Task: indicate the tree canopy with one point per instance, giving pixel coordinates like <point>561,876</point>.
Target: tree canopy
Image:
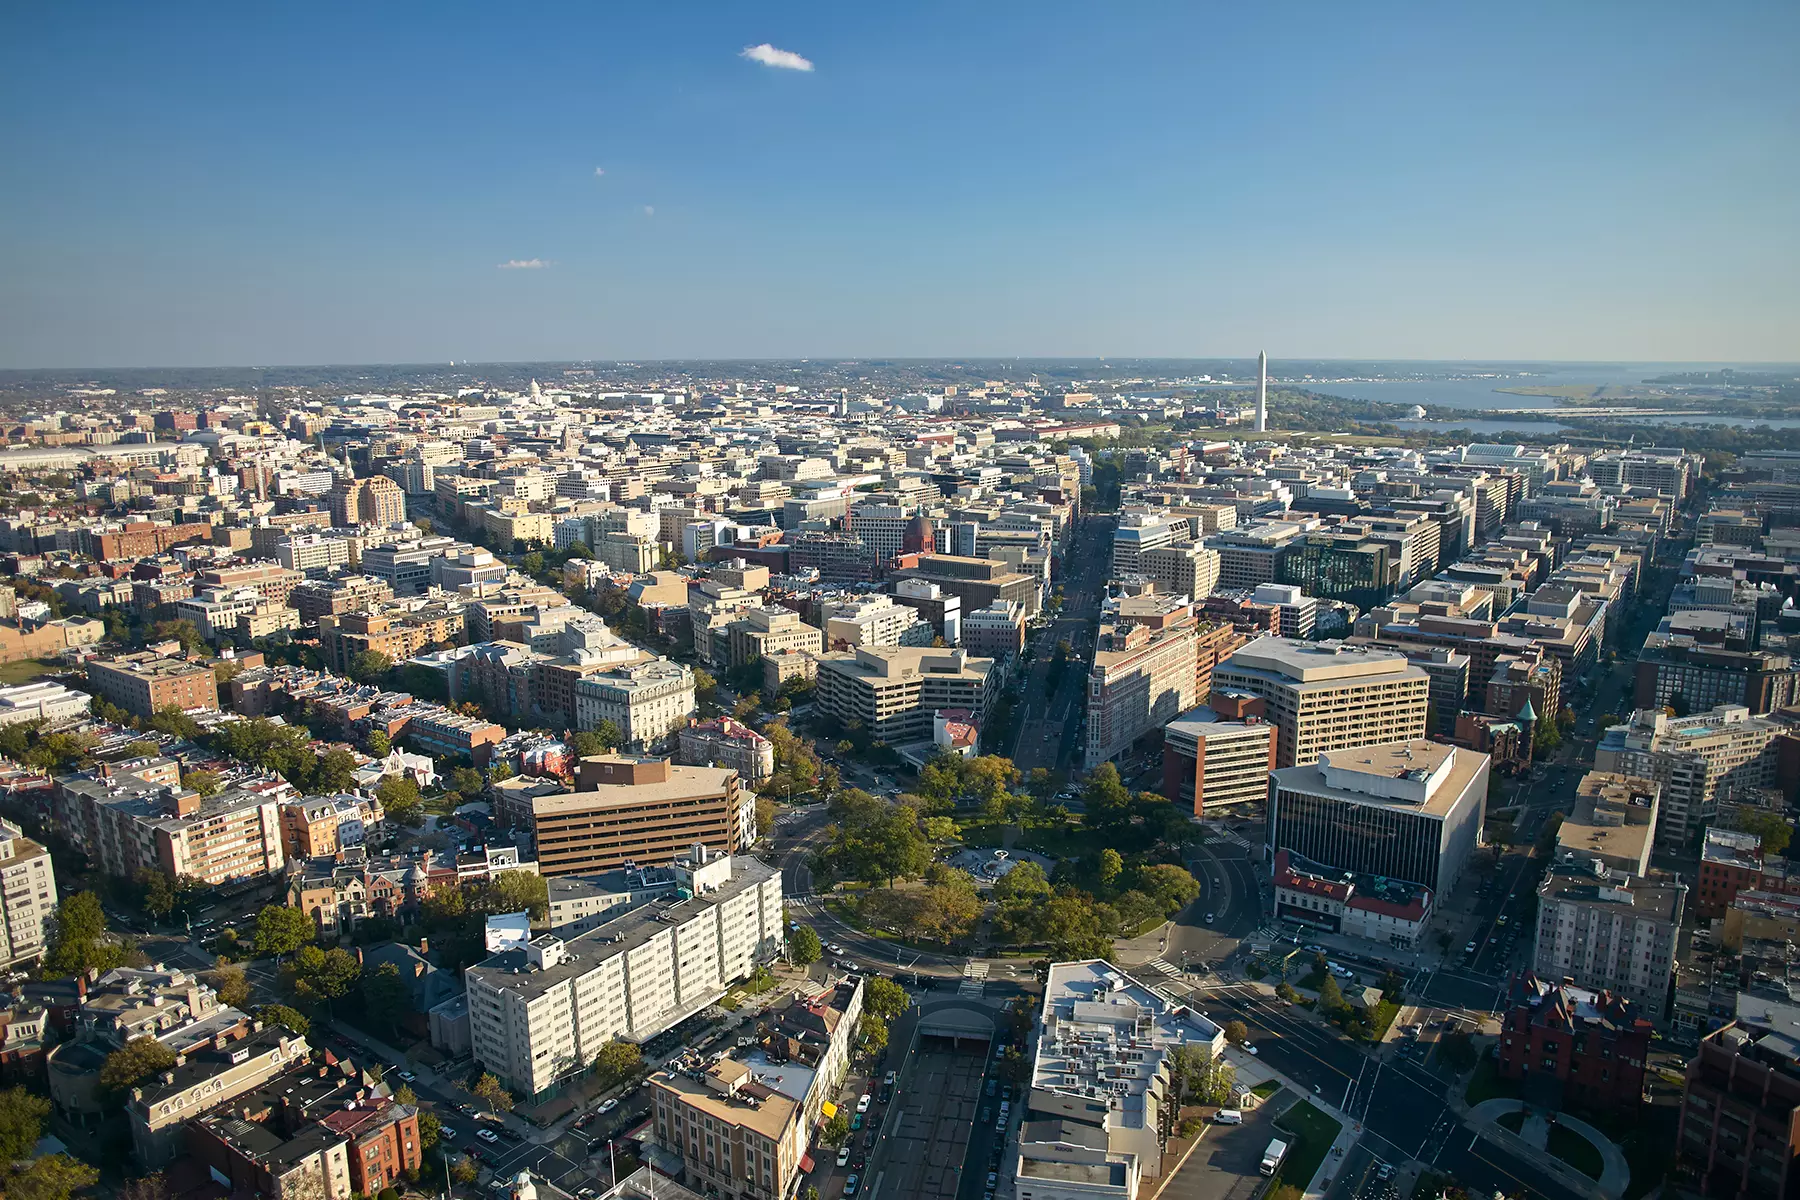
<point>135,1060</point>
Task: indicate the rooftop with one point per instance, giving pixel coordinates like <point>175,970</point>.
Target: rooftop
<point>1427,776</point>
<point>1319,664</point>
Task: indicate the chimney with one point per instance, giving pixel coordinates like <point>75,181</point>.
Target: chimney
<point>424,946</point>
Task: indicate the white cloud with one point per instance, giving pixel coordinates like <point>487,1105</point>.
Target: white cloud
<point>769,56</point>
<point>599,171</point>
<point>524,264</point>
<point>649,210</point>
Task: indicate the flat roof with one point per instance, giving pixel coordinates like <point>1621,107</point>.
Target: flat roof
<point>1300,664</point>
<point>1438,800</point>
<point>684,783</point>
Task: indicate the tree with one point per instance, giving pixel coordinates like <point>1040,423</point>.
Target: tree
<point>336,772</point>
<point>515,891</point>
<point>175,723</point>
<point>1236,1032</point>
<point>367,666</point>
<point>321,976</point>
<point>385,995</point>
<point>765,815</point>
<point>617,1062</point>
<point>487,1089</point>
<point>232,986</point>
<point>1170,886</point>
<point>156,894</point>
<point>77,937</point>
<point>378,744</point>
<point>288,1018</point>
<point>1111,865</point>
<point>207,783</point>
<point>463,1170</point>
<point>281,930</point>
<point>21,1122</point>
<point>185,632</point>
<point>145,1187</point>
<point>1774,830</point>
<point>1458,1049</point>
<point>431,1130</point>
<point>874,1033</point>
<point>804,947</point>
<point>400,799</point>
<point>836,1129</point>
<point>1107,799</point>
<point>135,1060</point>
<point>884,998</point>
<point>52,1177</point>
<point>468,781</point>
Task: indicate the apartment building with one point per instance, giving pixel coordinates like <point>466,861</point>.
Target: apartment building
<point>1324,696</point>
<point>1145,672</point>
<point>374,501</point>
<point>1190,570</point>
<point>1219,754</point>
<point>1613,820</point>
<point>635,810</point>
<point>1698,760</point>
<point>1408,810</point>
<point>996,632</point>
<point>1610,930</point>
<point>438,731</point>
<point>1679,669</point>
<point>941,610</point>
<point>894,690</point>
<point>275,583</point>
<point>128,822</point>
<point>239,1056</point>
<point>319,826</point>
<point>873,621</point>
<point>1144,529</point>
<point>328,597</point>
<point>764,632</point>
<point>740,1125</point>
<point>1100,1079</point>
<point>27,896</point>
<point>314,553</point>
<point>396,634</point>
<point>723,742</point>
<point>1733,862</point>
<point>145,682</point>
<point>1740,1104</point>
<point>647,700</point>
<point>542,1012</point>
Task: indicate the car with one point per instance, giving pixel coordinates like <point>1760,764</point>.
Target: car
<point>610,1105</point>
<point>1500,920</point>
<point>508,1134</point>
<point>850,966</point>
<point>856,1122</point>
<point>1386,1171</point>
<point>1209,918</point>
<point>467,1110</point>
<point>487,1135</point>
<point>407,1077</point>
<point>850,1185</point>
<point>1252,1049</point>
<point>993,1085</point>
<point>887,1093</point>
<point>1470,948</point>
<point>1314,949</point>
<point>987,1114</point>
<point>586,1193</point>
<point>863,1101</point>
<point>844,1157</point>
<point>597,1146</point>
<point>446,1134</point>
<point>474,1152</point>
<point>891,1078</point>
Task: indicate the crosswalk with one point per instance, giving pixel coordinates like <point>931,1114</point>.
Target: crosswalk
<point>974,983</point>
<point>1160,966</point>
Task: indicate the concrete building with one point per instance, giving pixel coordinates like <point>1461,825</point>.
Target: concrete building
<point>978,582</point>
<point>1610,930</point>
<point>1677,668</point>
<point>1408,810</point>
<point>1391,912</point>
<point>143,683</point>
<point>1324,696</point>
<point>895,690</point>
<point>27,896</point>
<point>1218,755</point>
<point>42,701</point>
<point>996,632</point>
<point>128,822</point>
<point>374,501</point>
<point>1145,672</point>
<point>1252,554</point>
<point>539,1014</point>
<point>1613,821</point>
<point>647,701</point>
<point>1299,612</point>
<point>1698,760</point>
<point>765,632</point>
<point>1099,1086</point>
<point>1190,570</point>
<point>1144,529</point>
<point>633,810</point>
<point>874,621</point>
<point>723,742</point>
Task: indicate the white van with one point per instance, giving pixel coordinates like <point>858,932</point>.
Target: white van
<point>1228,1116</point>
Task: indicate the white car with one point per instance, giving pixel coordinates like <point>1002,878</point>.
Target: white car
<point>610,1105</point>
<point>844,1157</point>
<point>863,1102</point>
<point>487,1135</point>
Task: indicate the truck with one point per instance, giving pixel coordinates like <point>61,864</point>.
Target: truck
<point>1272,1157</point>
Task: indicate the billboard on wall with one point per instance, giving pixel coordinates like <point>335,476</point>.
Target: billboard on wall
<point>508,931</point>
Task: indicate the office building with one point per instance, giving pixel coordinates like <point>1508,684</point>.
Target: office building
<point>1408,810</point>
<point>144,683</point>
<point>1698,760</point>
<point>27,897</point>
<point>873,621</point>
<point>1141,530</point>
<point>1613,820</point>
<point>632,810</point>
<point>1390,912</point>
<point>894,690</point>
<point>1678,669</point>
<point>1189,570</point>
<point>1299,612</point>
<point>1100,1079</point>
<point>1252,554</point>
<point>1610,930</point>
<point>996,632</point>
<point>1351,566</point>
<point>541,1013</point>
<point>1324,696</point>
<point>1145,672</point>
<point>757,633</point>
<point>1218,755</point>
<point>978,582</point>
<point>647,700</point>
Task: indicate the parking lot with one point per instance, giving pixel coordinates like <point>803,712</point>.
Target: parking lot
<point>1226,1165</point>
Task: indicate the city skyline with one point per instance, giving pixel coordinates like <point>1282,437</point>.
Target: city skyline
<point>565,185</point>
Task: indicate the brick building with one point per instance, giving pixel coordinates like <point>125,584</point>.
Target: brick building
<point>1572,1046</point>
<point>145,682</point>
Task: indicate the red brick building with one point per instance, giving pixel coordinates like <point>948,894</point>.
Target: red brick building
<point>1733,862</point>
<point>1572,1046</point>
<point>384,1142</point>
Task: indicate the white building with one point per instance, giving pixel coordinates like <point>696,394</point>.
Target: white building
<point>27,896</point>
<point>874,621</point>
<point>541,1013</point>
<point>43,700</point>
<point>1142,529</point>
<point>647,701</point>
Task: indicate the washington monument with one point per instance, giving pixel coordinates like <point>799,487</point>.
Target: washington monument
<point>1262,390</point>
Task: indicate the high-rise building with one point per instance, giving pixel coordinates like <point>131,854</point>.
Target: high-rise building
<point>143,683</point>
<point>1218,754</point>
<point>374,501</point>
<point>894,690</point>
<point>627,810</point>
<point>1144,674</point>
<point>1609,929</point>
<point>1328,695</point>
<point>27,896</point>
<point>1697,759</point>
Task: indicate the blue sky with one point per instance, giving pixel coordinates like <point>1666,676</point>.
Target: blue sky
<point>195,184</point>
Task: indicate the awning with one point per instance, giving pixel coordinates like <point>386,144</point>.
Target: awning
<point>828,1109</point>
<point>806,1164</point>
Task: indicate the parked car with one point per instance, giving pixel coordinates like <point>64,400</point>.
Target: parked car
<point>844,1157</point>
<point>487,1135</point>
<point>407,1077</point>
<point>856,1122</point>
<point>610,1105</point>
<point>851,1184</point>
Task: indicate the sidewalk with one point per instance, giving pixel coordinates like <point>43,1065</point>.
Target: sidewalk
<point>391,1059</point>
<point>1529,1143</point>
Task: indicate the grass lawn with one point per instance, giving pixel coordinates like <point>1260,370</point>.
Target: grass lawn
<point>1266,1088</point>
<point>26,670</point>
<point>1486,1084</point>
<point>1575,1150</point>
<point>1313,1131</point>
